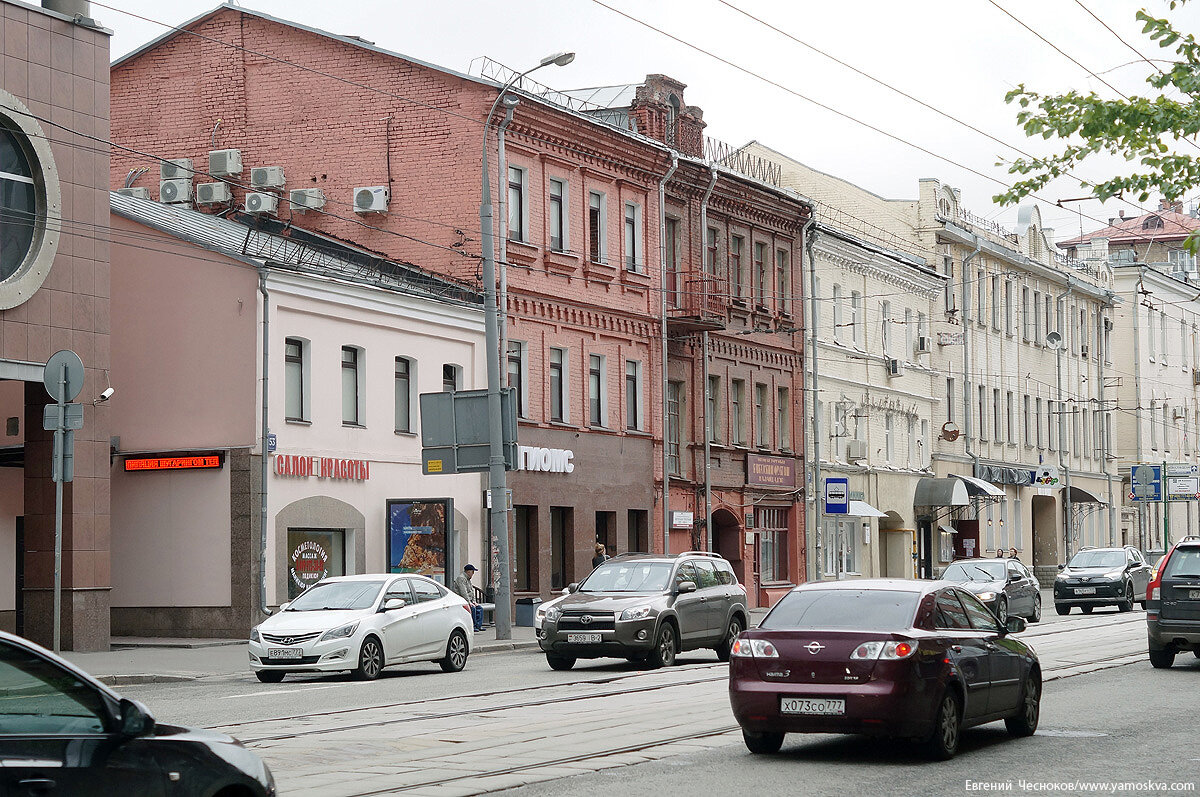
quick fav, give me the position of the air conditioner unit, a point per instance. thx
(302, 199)
(923, 344)
(856, 450)
(1084, 351)
(213, 194)
(140, 193)
(180, 168)
(371, 199)
(894, 367)
(1178, 413)
(224, 162)
(172, 191)
(262, 203)
(266, 177)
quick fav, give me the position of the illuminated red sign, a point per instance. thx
(174, 463)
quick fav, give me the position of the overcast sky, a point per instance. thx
(960, 56)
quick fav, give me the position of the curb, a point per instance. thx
(503, 647)
(138, 679)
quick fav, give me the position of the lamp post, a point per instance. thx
(497, 482)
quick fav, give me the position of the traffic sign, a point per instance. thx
(1183, 481)
(54, 374)
(1146, 483)
(72, 417)
(837, 495)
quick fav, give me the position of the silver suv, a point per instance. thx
(645, 608)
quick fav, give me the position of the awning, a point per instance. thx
(978, 488)
(939, 491)
(948, 529)
(1082, 496)
(863, 509)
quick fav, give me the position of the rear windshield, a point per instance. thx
(628, 577)
(1098, 559)
(874, 609)
(1183, 563)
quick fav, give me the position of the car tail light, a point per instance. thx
(753, 648)
(1154, 588)
(888, 651)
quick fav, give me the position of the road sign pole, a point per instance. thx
(59, 466)
(1166, 509)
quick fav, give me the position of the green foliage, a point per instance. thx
(1157, 133)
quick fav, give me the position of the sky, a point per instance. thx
(755, 83)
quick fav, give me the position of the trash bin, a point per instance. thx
(526, 609)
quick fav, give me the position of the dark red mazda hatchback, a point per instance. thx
(916, 659)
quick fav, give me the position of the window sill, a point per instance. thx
(352, 425)
(297, 421)
(562, 262)
(638, 433)
(562, 424)
(635, 280)
(600, 271)
(400, 433)
(521, 253)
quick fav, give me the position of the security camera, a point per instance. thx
(106, 395)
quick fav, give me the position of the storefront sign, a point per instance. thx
(550, 460)
(762, 471)
(173, 463)
(315, 554)
(1046, 476)
(322, 467)
(417, 537)
(951, 338)
(682, 520)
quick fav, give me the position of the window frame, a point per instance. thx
(556, 209)
(635, 262)
(597, 392)
(520, 233)
(357, 366)
(410, 384)
(304, 362)
(635, 420)
(562, 366)
(597, 227)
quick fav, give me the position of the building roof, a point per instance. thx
(1164, 224)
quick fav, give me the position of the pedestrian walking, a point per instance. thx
(464, 587)
(600, 556)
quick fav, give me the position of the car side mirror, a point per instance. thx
(283, 606)
(394, 603)
(565, 591)
(135, 719)
(1061, 567)
(573, 587)
(685, 587)
(1015, 625)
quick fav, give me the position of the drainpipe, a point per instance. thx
(966, 317)
(502, 300)
(1102, 353)
(662, 298)
(1064, 463)
(815, 563)
(262, 514)
(1144, 543)
(712, 183)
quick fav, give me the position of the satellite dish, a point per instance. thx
(1053, 340)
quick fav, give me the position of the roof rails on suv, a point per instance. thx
(700, 553)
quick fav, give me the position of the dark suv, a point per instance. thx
(1101, 577)
(646, 607)
(1173, 604)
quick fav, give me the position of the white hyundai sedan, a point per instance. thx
(363, 624)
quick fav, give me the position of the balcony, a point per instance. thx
(696, 303)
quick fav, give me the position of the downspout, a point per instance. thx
(262, 514)
(502, 299)
(966, 317)
(1064, 463)
(708, 530)
(1143, 542)
(662, 299)
(815, 563)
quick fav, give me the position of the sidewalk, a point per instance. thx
(147, 660)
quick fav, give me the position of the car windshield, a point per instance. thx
(874, 609)
(337, 595)
(974, 571)
(1098, 559)
(628, 577)
(1184, 562)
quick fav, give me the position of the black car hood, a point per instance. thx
(608, 601)
(220, 745)
(1089, 572)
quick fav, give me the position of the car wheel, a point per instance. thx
(665, 647)
(1036, 617)
(560, 662)
(1196, 652)
(1162, 659)
(1026, 721)
(942, 744)
(456, 652)
(370, 660)
(735, 627)
(763, 743)
(1126, 602)
(1085, 609)
(1062, 609)
(1002, 610)
(269, 676)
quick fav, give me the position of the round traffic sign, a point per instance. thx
(54, 375)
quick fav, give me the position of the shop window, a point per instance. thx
(314, 554)
(526, 548)
(638, 530)
(562, 549)
(352, 394)
(295, 379)
(772, 543)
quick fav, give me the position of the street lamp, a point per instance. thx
(498, 488)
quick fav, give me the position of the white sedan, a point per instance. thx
(363, 624)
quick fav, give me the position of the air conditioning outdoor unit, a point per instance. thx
(224, 162)
(302, 199)
(172, 191)
(213, 193)
(1178, 413)
(179, 168)
(262, 203)
(923, 344)
(371, 199)
(1084, 351)
(894, 367)
(856, 450)
(140, 193)
(266, 177)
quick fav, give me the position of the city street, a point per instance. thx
(508, 720)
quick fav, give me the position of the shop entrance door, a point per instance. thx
(562, 551)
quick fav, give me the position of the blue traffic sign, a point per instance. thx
(1146, 483)
(837, 495)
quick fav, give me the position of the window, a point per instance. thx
(516, 375)
(596, 248)
(404, 368)
(525, 551)
(737, 400)
(1010, 422)
(558, 385)
(1036, 317)
(1151, 338)
(674, 399)
(982, 434)
(908, 334)
(888, 437)
(562, 532)
(350, 382)
(856, 318)
(710, 251)
(21, 210)
(950, 399)
(948, 293)
(450, 378)
(714, 405)
(1049, 304)
(558, 215)
(633, 394)
(1026, 316)
(1037, 414)
(633, 238)
(997, 417)
(516, 204)
(735, 266)
(673, 287)
(980, 298)
(760, 273)
(295, 400)
(886, 333)
(1008, 307)
(837, 313)
(911, 443)
(762, 409)
(1162, 333)
(1029, 440)
(781, 281)
(996, 302)
(772, 542)
(50, 701)
(923, 442)
(596, 389)
(782, 408)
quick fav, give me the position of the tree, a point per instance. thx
(1157, 132)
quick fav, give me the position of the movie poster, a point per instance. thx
(417, 537)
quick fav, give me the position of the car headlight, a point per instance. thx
(254, 637)
(551, 614)
(341, 632)
(986, 596)
(636, 613)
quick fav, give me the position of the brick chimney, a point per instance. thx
(659, 112)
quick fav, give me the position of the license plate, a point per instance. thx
(1194, 594)
(583, 638)
(805, 705)
(1086, 591)
(284, 653)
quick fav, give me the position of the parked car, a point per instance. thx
(1173, 604)
(363, 624)
(646, 608)
(1102, 577)
(883, 657)
(62, 732)
(1004, 585)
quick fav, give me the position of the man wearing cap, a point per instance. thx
(463, 586)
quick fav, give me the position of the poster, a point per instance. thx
(417, 537)
(314, 554)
